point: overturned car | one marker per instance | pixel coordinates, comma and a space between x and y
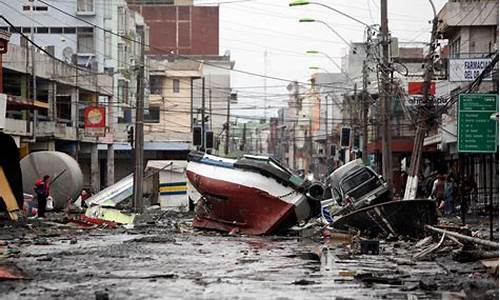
355, 185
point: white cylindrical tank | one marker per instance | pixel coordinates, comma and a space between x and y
67, 185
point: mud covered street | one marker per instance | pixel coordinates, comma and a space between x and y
167, 259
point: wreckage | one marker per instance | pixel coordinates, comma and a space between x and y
254, 195
361, 199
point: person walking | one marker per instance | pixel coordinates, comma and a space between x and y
438, 191
450, 188
42, 187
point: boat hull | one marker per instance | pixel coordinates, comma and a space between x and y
405, 217
244, 201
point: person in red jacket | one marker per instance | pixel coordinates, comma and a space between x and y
42, 187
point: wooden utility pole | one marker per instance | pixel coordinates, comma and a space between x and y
364, 112
139, 133
418, 146
203, 114
385, 97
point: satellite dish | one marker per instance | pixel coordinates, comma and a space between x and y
68, 53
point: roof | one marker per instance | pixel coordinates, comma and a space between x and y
178, 166
150, 146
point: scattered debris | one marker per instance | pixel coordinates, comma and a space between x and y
304, 282
10, 271
462, 237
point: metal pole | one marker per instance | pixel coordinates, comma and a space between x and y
364, 104
327, 134
492, 160
210, 105
191, 107
203, 114
384, 95
139, 134
461, 166
226, 145
35, 111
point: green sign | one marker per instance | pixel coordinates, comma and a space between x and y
477, 131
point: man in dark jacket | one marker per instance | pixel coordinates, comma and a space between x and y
41, 188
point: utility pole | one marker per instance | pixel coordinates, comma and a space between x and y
327, 135
364, 111
418, 146
210, 104
385, 97
203, 114
226, 145
35, 111
139, 133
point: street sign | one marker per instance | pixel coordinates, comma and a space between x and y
417, 88
477, 132
95, 121
467, 69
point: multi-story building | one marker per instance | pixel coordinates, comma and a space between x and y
180, 27
101, 36
469, 30
176, 102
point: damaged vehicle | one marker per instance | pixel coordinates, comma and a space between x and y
355, 185
253, 195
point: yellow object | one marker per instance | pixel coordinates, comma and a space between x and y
8, 196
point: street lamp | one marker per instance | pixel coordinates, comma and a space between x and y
305, 2
333, 61
311, 20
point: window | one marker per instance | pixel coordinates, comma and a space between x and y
42, 30
121, 56
26, 7
152, 115
107, 44
85, 40
69, 30
156, 86
455, 49
176, 85
85, 6
41, 8
56, 30
26, 29
121, 19
123, 91
108, 9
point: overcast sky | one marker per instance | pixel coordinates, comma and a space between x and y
250, 28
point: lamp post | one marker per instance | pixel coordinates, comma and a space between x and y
333, 62
305, 2
311, 20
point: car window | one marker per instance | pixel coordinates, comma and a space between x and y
355, 180
336, 196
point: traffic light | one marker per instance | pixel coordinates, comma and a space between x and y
345, 138
209, 139
130, 136
197, 135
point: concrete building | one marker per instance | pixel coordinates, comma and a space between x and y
176, 101
72, 31
470, 34
178, 26
54, 119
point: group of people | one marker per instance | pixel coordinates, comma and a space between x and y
41, 190
445, 190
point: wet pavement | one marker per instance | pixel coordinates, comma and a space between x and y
170, 260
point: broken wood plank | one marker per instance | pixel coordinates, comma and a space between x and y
464, 237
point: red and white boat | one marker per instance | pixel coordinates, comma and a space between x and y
253, 195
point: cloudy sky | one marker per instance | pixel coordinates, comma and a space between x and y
250, 28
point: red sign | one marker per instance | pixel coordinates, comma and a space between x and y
417, 88
95, 120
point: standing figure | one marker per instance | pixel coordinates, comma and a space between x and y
449, 195
42, 186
